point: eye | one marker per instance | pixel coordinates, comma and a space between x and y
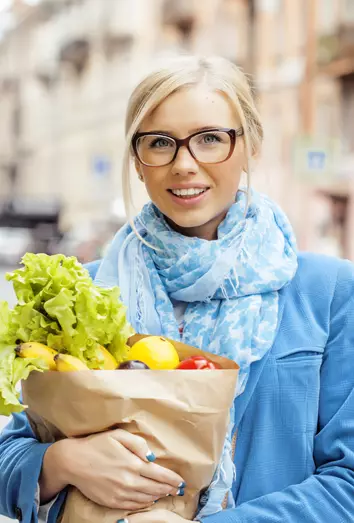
209, 139
160, 143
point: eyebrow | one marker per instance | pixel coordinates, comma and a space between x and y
190, 131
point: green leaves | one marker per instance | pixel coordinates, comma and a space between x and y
58, 305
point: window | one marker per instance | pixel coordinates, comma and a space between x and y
270, 6
327, 17
348, 113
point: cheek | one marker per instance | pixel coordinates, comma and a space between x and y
235, 168
227, 176
154, 180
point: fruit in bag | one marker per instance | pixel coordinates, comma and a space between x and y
198, 363
133, 365
156, 352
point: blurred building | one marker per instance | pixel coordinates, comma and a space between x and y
304, 74
67, 68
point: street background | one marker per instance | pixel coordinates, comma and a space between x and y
67, 68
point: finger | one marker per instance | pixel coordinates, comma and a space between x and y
155, 516
135, 444
154, 488
132, 506
162, 475
141, 498
141, 517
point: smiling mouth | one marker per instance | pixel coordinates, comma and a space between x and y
188, 193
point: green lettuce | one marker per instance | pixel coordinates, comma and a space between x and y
57, 305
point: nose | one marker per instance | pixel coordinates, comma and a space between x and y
184, 163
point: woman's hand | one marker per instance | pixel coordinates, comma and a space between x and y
155, 516
113, 469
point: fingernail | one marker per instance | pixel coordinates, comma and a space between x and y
180, 492
182, 485
122, 520
150, 457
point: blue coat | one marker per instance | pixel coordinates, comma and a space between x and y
295, 421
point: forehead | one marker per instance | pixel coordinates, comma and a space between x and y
190, 109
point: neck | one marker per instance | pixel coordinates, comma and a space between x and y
208, 231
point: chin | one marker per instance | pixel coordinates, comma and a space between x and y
187, 222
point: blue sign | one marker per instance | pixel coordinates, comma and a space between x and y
316, 160
102, 166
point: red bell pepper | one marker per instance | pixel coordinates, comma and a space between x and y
198, 363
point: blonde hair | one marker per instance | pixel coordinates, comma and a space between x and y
217, 73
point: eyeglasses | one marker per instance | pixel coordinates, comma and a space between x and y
210, 146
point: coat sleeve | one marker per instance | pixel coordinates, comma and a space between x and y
328, 495
21, 457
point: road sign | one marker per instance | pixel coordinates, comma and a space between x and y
101, 166
315, 160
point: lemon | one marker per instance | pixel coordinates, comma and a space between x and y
156, 352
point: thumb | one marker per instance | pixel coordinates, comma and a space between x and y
136, 444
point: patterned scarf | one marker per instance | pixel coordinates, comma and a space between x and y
230, 284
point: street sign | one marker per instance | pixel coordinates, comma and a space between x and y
315, 160
101, 166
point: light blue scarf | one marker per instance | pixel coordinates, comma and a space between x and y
230, 285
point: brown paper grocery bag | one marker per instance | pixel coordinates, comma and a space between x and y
183, 415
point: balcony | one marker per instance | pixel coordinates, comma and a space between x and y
180, 15
120, 44
76, 53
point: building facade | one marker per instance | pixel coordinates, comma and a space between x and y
67, 68
304, 75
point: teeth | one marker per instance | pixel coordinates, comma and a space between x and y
188, 192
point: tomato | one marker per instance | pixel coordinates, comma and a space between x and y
198, 363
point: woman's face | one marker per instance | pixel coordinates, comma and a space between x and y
183, 113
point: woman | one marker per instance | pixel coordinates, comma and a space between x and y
215, 266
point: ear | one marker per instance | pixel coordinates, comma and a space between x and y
138, 169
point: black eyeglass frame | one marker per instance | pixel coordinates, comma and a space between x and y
180, 142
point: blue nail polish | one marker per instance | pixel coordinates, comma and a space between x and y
180, 492
122, 520
150, 457
182, 485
